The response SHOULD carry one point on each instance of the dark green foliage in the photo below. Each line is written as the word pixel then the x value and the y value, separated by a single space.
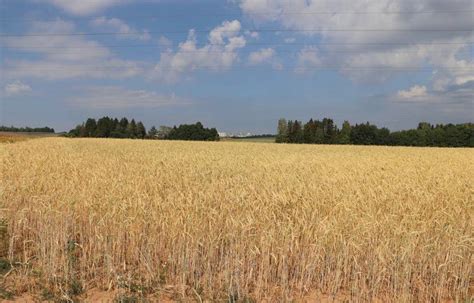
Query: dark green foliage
pixel 5 266
pixel 152 133
pixel 295 132
pixel 329 131
pixel 282 132
pixel 90 128
pixel 345 133
pixel 140 131
pixel 193 132
pixel 132 129
pixel 309 132
pixel 26 129
pixel 364 134
pixel 106 127
pixel 449 135
pixel 312 132
pixel 326 132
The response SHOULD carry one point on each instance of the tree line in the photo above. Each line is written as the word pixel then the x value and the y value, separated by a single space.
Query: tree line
pixel 327 132
pixel 106 127
pixel 26 129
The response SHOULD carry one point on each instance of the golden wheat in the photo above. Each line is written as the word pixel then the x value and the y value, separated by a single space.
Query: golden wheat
pixel 240 221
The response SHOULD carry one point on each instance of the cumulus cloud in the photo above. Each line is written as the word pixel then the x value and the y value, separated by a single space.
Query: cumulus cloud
pixel 416 91
pixel 228 29
pixel 363 40
pixel 264 55
pixel 219 53
pixel 454 98
pixel 63 56
pixel 114 97
pixel 16 88
pixel 119 26
pixel 84 7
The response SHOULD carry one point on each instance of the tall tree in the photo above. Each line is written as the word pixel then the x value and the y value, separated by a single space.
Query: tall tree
pixel 152 133
pixel 104 127
pixel 90 128
pixel 309 132
pixel 326 131
pixel 195 132
pixel 329 131
pixel 132 129
pixel 295 132
pixel 141 131
pixel 345 134
pixel 123 125
pixel 282 131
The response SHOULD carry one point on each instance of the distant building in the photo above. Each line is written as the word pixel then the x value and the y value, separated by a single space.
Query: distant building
pixel 235 135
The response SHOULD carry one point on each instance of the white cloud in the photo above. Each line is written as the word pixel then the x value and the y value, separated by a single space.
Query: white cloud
pixel 219 54
pixel 416 91
pixel 376 55
pixel 84 7
pixel 16 88
pixel 290 40
pixel 119 26
pixel 228 29
pixel 454 98
pixel 308 57
pixel 379 48
pixel 114 97
pixel 264 55
pixel 63 57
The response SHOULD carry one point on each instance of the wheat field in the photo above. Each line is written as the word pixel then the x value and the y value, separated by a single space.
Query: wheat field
pixel 237 222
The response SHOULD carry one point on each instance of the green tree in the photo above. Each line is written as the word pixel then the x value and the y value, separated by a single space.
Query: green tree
pixel 295 132
pixel 90 128
pixel 364 134
pixel 194 132
pixel 123 124
pixel 141 131
pixel 164 131
pixel 309 132
pixel 329 130
pixel 104 127
pixel 152 133
pixel 282 131
pixel 345 134
pixel 132 129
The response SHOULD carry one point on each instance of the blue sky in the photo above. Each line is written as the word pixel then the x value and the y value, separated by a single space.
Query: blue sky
pixel 237 65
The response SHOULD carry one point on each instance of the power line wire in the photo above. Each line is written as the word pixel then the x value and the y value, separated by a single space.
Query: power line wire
pixel 282 13
pixel 231 31
pixel 217 68
pixel 250 44
pixel 248 51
